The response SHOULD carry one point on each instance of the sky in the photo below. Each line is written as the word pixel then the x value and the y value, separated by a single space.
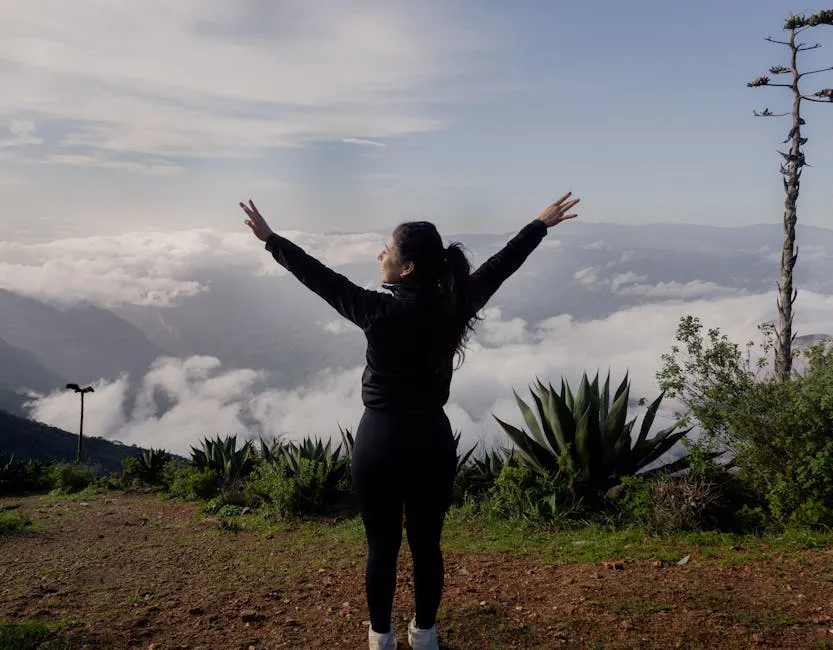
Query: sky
pixel 159 117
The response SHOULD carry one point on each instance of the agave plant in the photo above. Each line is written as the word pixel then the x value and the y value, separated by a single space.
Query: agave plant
pixel 151 462
pixel 488 468
pixel 271 451
pixel 462 459
pixel 331 462
pixel 590 432
pixel 349 442
pixel 223 456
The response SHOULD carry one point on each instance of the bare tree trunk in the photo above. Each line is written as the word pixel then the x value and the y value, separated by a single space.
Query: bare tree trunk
pixel 792 176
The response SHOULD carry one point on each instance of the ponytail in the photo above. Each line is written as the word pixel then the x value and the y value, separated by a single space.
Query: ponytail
pixel 447 271
pixel 455 289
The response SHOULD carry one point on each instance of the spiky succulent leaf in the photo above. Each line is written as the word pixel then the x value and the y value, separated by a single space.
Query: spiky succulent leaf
pixel 531 421
pixel 545 415
pixel 648 420
pixel 534 454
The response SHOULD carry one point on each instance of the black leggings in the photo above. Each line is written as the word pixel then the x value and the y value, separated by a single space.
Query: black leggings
pixel 403 459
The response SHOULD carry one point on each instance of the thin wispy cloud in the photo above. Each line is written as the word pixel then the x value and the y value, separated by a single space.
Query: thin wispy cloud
pixel 198 79
pixel 362 142
pixel 21 134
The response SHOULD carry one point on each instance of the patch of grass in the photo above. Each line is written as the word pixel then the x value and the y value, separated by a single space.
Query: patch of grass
pixel 13 522
pixel 466 532
pixel 40 635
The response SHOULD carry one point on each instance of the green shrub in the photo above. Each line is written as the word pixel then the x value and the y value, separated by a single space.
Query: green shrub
pixel 780 434
pixel 520 492
pixel 300 487
pixel 474 479
pixel 68 479
pixel 12 521
pixel 22 477
pixel 128 477
pixel 194 484
pixel 783 435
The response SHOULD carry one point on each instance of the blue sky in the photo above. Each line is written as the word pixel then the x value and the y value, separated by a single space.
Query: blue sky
pixel 333 116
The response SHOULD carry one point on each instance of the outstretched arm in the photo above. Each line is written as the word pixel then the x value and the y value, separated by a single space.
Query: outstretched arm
pixel 356 304
pixel 486 280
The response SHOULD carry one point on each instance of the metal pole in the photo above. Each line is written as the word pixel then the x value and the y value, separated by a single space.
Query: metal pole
pixel 80 431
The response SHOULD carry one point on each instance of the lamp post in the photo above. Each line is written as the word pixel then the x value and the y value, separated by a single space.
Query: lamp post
pixel 83 391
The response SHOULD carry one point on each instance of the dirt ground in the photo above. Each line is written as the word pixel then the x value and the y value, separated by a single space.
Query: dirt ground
pixel 139 572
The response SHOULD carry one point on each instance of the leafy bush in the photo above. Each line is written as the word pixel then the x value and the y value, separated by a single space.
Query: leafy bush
pixel 298 486
pixel 524 493
pixel 783 437
pixel 128 477
pixel 779 433
pixel 21 477
pixel 590 432
pixel 12 522
pixel 711 376
pixel 68 479
pixel 194 484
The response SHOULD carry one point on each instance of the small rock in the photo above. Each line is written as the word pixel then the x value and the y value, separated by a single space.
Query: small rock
pixel 250 616
pixel 657 564
pixel 684 560
pixel 464 571
pixel 626 625
pixel 290 622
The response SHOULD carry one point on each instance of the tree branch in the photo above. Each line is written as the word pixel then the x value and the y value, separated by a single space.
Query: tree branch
pixel 773 40
pixel 767 113
pixel 804 74
pixel 775 86
pixel 804 48
pixel 820 101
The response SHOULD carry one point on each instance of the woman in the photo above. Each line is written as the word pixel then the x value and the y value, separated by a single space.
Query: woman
pixel 404 455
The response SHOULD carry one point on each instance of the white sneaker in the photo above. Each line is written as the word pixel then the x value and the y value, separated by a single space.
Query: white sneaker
pixel 376 641
pixel 422 639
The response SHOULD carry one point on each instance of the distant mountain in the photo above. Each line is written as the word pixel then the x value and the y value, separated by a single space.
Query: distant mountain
pixel 587 270
pixel 20 373
pixel 20 369
pixel 82 343
pixel 28 439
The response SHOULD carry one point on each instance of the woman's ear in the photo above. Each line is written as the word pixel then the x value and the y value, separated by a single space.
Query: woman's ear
pixel 407 269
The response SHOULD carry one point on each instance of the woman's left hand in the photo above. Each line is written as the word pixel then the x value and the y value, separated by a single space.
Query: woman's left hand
pixel 256 221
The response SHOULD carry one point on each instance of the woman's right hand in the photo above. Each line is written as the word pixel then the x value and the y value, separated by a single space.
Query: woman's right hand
pixel 557 212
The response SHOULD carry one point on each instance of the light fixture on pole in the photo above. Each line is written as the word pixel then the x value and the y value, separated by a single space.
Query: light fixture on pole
pixel 83 391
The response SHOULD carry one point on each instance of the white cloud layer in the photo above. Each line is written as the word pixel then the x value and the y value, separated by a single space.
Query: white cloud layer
pixel 155 268
pixel 207 399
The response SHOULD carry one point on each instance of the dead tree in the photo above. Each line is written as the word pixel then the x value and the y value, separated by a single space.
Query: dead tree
pixel 794 162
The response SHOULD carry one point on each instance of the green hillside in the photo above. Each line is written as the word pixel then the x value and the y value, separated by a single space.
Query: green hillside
pixel 28 439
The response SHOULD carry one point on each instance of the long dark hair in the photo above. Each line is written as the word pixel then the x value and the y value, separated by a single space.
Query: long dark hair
pixel 444 271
